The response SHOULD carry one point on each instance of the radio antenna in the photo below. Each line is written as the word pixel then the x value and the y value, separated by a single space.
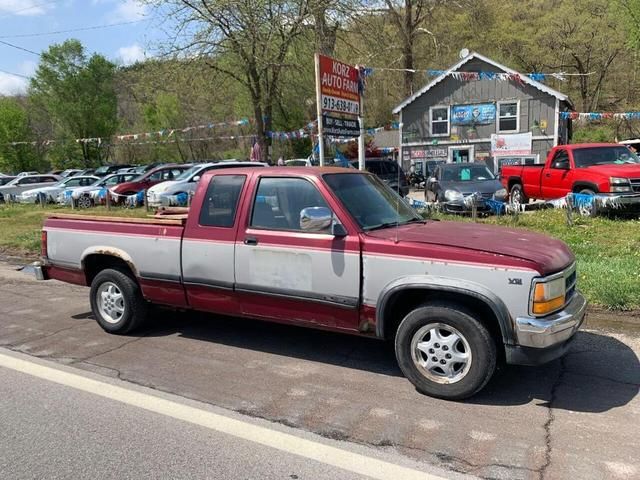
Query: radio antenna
pixel 397 200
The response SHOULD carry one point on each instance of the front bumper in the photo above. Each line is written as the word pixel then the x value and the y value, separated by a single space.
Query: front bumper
pixel 541 340
pixel 459 206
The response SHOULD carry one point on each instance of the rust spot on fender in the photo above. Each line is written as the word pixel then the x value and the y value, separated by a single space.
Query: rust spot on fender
pixel 114 253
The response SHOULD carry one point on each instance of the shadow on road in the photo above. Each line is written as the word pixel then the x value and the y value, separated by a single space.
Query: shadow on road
pixel 598 374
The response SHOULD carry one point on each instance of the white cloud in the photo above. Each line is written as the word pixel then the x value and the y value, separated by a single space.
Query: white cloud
pixel 14 84
pixel 131 54
pixel 128 11
pixel 24 7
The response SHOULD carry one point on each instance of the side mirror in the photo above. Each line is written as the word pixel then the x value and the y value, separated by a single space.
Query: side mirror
pixel 315 219
pixel 561 165
pixel 196 178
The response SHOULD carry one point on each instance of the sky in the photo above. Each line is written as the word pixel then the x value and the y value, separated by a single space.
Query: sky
pixel 29 24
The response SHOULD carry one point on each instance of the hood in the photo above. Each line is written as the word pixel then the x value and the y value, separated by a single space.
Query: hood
pixel 547 254
pixel 121 187
pixel 625 170
pixel 479 186
pixel 164 186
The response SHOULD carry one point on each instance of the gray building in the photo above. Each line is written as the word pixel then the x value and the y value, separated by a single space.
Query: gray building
pixel 481 111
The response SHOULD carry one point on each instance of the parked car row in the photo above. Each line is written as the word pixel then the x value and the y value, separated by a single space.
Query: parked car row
pixel 162 182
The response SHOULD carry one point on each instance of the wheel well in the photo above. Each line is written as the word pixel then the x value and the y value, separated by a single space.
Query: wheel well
pixel 514 181
pixel 404 301
pixel 95 263
pixel 581 186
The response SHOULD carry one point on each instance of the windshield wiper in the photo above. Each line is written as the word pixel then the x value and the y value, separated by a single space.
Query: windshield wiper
pixel 393 224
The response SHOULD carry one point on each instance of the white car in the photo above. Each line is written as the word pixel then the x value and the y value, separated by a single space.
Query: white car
pixel 70 172
pixel 86 197
pixel 163 193
pixel 24 174
pixel 51 192
pixel 26 182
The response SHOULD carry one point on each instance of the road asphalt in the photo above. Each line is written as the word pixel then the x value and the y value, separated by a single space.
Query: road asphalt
pixel 574 418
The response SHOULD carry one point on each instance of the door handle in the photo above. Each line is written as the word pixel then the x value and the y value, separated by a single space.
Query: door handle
pixel 250 241
pixel 547 175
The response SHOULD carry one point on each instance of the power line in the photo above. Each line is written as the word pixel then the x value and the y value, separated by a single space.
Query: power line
pixel 15 74
pixel 19 48
pixel 82 29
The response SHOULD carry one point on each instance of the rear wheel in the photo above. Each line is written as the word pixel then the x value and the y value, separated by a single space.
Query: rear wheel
pixel 444 351
pixel 116 302
pixel 517 196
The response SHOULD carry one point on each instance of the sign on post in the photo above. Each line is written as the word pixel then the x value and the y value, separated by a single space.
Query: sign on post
pixel 337 98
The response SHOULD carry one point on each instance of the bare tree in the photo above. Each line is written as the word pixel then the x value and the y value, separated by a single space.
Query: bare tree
pixel 409 16
pixel 246 40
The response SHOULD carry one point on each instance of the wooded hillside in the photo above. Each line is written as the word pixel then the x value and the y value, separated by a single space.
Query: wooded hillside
pixel 247 67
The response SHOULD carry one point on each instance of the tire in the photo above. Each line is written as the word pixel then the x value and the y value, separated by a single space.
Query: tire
pixel 585 210
pixel 116 302
pixel 517 196
pixel 85 201
pixel 465 338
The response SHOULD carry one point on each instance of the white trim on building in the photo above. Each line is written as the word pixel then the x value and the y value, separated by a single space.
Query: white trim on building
pixel 540 86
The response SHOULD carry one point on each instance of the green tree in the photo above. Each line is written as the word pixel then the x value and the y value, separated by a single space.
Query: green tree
pixel 16 154
pixel 77 93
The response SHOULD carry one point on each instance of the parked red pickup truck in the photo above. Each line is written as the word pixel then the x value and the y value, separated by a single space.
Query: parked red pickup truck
pixel 590 168
pixel 336 249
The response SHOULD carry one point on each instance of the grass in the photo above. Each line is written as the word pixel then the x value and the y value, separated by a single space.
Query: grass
pixel 608 250
pixel 20 225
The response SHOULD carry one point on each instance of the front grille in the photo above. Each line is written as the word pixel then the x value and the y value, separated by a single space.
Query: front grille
pixel 635 184
pixel 570 283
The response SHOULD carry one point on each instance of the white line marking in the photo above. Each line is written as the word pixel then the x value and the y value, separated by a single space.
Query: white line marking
pixel 336 457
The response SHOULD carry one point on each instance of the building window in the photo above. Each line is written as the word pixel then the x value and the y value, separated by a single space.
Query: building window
pixel 439 121
pixel 508 116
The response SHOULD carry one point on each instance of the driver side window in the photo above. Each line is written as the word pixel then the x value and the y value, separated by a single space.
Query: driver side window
pixel 279 201
pixel 560 160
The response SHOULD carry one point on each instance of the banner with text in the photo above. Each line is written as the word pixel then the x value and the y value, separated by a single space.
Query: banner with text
pixel 513 144
pixel 481 114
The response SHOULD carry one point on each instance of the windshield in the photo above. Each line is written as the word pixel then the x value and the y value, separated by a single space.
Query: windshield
pixel 369 201
pixel 614 155
pixel 466 173
pixel 102 170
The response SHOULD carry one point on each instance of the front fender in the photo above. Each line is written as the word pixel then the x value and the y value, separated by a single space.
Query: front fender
pixel 450 285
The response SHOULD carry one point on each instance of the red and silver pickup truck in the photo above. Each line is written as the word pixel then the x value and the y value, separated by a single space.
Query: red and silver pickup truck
pixel 588 168
pixel 335 249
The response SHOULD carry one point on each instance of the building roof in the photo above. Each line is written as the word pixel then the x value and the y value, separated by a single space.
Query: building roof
pixel 526 79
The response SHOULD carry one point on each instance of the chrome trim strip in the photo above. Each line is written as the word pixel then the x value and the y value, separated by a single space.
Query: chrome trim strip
pixel 335 300
pixel 203 282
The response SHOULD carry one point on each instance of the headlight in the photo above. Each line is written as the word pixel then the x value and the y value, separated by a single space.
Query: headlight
pixel 452 195
pixel 548 295
pixel 619 184
pixel 500 194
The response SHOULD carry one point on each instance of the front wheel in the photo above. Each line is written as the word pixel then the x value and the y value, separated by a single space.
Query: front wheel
pixel 445 352
pixel 116 302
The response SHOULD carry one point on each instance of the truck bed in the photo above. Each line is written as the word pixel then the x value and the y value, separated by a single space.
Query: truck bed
pixel 149 245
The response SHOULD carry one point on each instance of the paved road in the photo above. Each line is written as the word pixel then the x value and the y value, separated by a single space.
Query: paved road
pixel 61 424
pixel 575 418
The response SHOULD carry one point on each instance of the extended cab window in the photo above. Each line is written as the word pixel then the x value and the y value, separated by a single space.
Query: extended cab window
pixel 221 202
pixel 279 201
